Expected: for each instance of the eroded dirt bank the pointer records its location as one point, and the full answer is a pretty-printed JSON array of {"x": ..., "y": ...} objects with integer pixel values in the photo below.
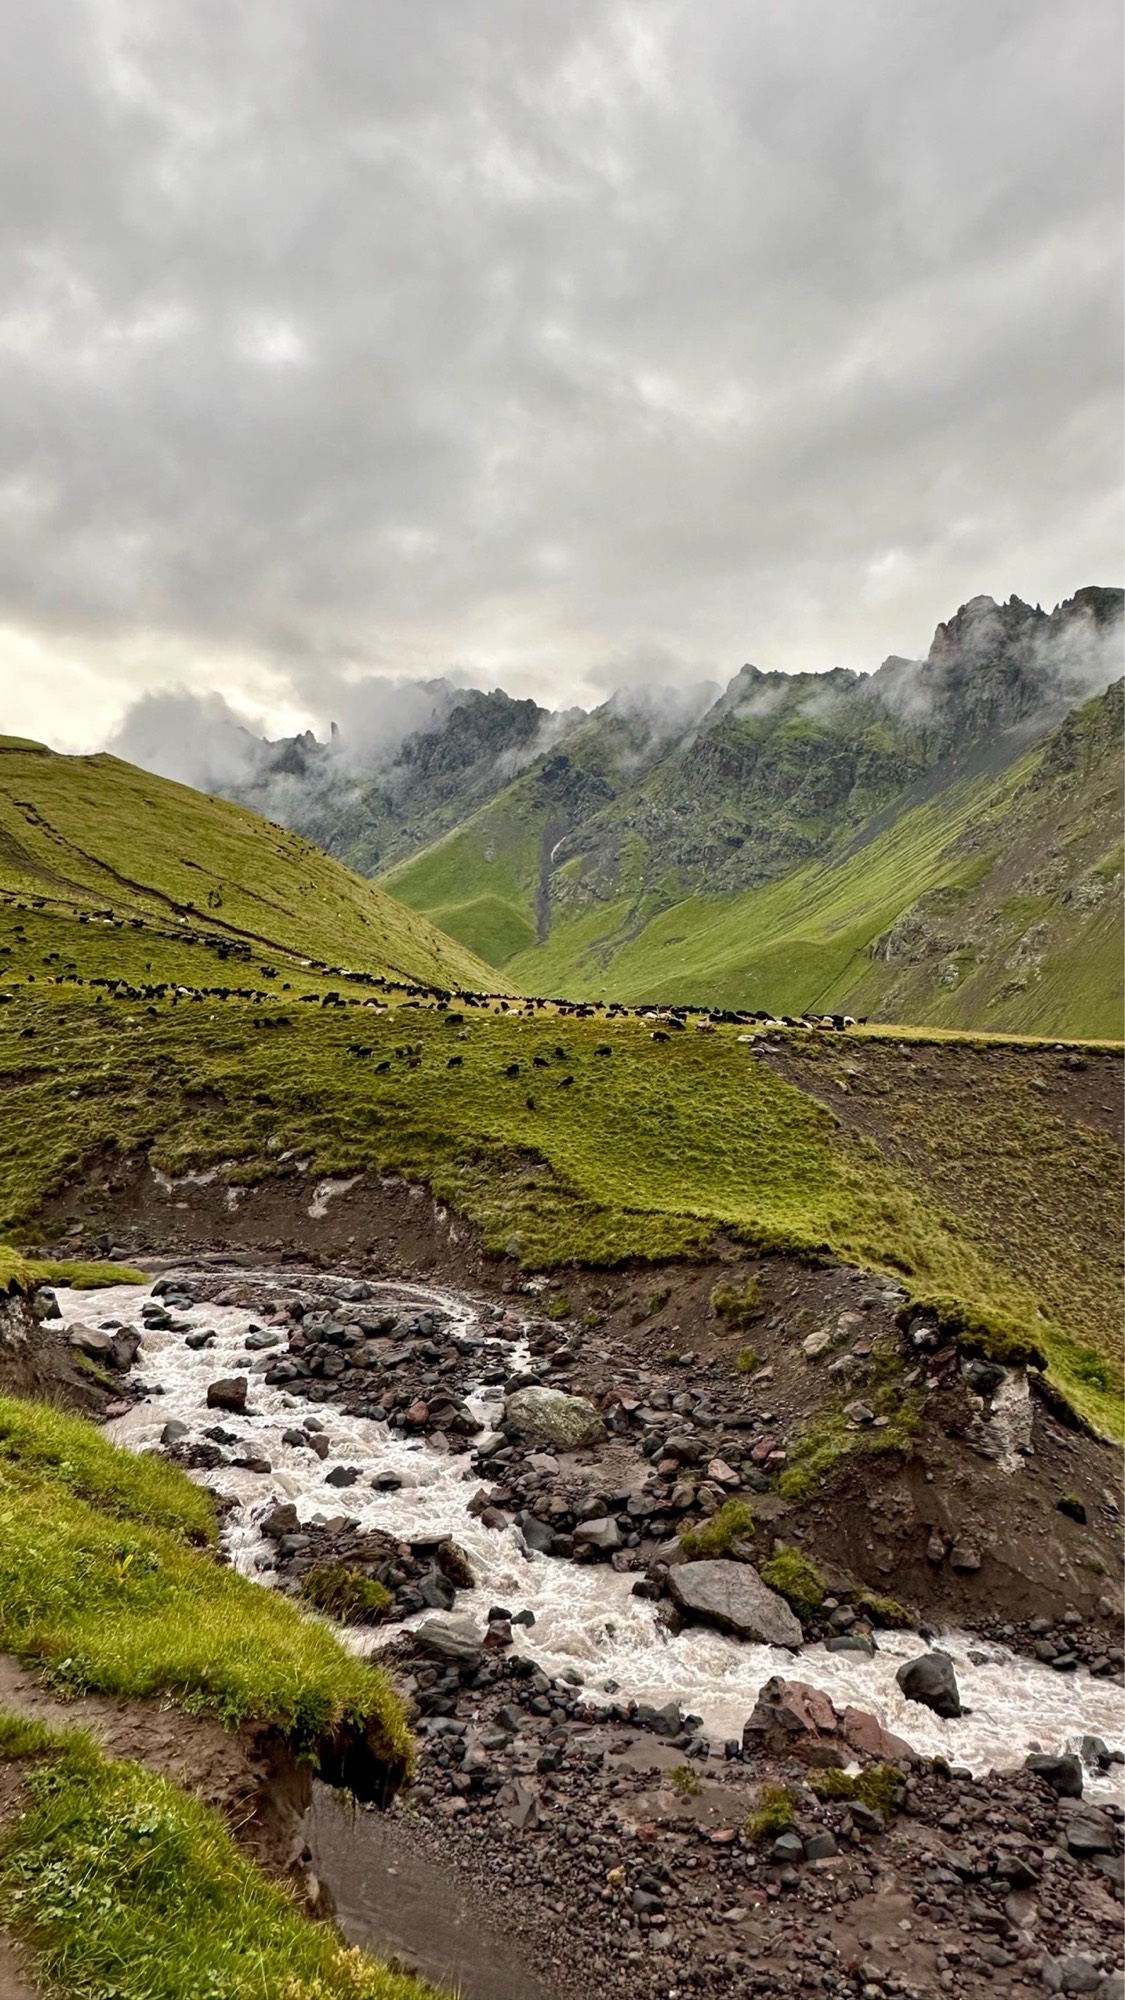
[{"x": 946, "y": 1526}]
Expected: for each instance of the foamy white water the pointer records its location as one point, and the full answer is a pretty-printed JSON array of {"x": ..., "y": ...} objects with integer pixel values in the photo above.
[{"x": 585, "y": 1617}]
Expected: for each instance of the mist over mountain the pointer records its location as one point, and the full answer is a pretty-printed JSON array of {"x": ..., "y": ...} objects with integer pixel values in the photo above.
[{"x": 408, "y": 761}]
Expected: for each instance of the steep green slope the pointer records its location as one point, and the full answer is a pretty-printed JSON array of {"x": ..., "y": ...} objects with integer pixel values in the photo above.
[
  {"x": 995, "y": 904},
  {"x": 90, "y": 841},
  {"x": 779, "y": 852}
]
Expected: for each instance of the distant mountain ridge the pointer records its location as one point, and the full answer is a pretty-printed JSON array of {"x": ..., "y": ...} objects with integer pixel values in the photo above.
[{"x": 559, "y": 846}]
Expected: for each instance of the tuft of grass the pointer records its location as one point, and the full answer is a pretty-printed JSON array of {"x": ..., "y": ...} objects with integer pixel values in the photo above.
[
  {"x": 798, "y": 1579},
  {"x": 745, "y": 1361},
  {"x": 346, "y": 1594},
  {"x": 876, "y": 1788},
  {"x": 125, "y": 1888},
  {"x": 738, "y": 1304},
  {"x": 40, "y": 1444},
  {"x": 557, "y": 1307},
  {"x": 775, "y": 1813},
  {"x": 828, "y": 1439},
  {"x": 886, "y": 1611},
  {"x": 684, "y": 1781},
  {"x": 731, "y": 1523},
  {"x": 100, "y": 1585},
  {"x": 23, "y": 1274}
]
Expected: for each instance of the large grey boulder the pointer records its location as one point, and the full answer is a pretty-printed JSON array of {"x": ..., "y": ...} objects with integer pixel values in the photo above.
[
  {"x": 551, "y": 1417},
  {"x": 930, "y": 1680},
  {"x": 457, "y": 1640},
  {"x": 732, "y": 1596}
]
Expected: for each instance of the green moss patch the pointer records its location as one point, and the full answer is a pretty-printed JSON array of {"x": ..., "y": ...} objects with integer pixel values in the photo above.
[
  {"x": 798, "y": 1580},
  {"x": 732, "y": 1523}
]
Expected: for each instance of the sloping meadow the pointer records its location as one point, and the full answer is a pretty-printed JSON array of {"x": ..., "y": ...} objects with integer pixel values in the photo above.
[{"x": 561, "y": 1139}]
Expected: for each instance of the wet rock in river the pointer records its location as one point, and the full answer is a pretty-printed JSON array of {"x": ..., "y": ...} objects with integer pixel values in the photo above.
[
  {"x": 1063, "y": 1774},
  {"x": 732, "y": 1596},
  {"x": 228, "y": 1394},
  {"x": 930, "y": 1680}
]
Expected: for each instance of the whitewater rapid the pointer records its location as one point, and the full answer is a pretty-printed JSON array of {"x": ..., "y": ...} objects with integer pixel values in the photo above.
[{"x": 587, "y": 1622}]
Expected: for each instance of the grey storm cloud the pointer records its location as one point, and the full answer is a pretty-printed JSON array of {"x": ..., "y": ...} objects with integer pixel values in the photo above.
[{"x": 497, "y": 339}]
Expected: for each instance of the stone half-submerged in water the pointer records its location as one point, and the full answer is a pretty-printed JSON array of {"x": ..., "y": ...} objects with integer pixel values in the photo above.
[
  {"x": 551, "y": 1417},
  {"x": 732, "y": 1596}
]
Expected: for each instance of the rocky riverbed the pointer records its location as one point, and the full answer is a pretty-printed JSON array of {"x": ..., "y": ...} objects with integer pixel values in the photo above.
[{"x": 587, "y": 1773}]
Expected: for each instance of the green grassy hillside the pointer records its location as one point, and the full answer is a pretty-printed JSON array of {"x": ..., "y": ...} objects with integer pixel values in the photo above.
[
  {"x": 94, "y": 844},
  {"x": 555, "y": 1149},
  {"x": 994, "y": 903}
]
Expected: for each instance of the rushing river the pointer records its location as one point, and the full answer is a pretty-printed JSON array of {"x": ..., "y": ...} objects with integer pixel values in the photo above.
[{"x": 586, "y": 1619}]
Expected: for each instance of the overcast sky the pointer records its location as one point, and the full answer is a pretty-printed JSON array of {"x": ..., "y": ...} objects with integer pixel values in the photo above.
[{"x": 542, "y": 340}]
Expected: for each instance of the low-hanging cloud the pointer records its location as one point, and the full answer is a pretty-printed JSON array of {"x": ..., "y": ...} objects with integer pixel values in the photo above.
[{"x": 346, "y": 341}]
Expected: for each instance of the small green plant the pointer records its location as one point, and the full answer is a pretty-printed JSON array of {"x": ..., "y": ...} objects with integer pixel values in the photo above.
[
  {"x": 738, "y": 1304},
  {"x": 733, "y": 1522},
  {"x": 876, "y": 1788},
  {"x": 558, "y": 1307},
  {"x": 885, "y": 1363},
  {"x": 774, "y": 1814},
  {"x": 684, "y": 1781},
  {"x": 745, "y": 1361},
  {"x": 346, "y": 1594},
  {"x": 883, "y": 1611},
  {"x": 797, "y": 1578},
  {"x": 658, "y": 1301}
]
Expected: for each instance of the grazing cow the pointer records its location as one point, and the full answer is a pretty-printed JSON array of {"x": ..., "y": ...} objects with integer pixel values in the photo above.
[
  {"x": 658, "y": 1035},
  {"x": 565, "y": 1082},
  {"x": 454, "y": 1062},
  {"x": 513, "y": 1069},
  {"x": 540, "y": 1062},
  {"x": 603, "y": 1049}
]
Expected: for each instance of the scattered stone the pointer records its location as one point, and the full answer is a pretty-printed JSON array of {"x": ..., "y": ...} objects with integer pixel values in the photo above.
[
  {"x": 1063, "y": 1774},
  {"x": 931, "y": 1681},
  {"x": 228, "y": 1394},
  {"x": 553, "y": 1418}
]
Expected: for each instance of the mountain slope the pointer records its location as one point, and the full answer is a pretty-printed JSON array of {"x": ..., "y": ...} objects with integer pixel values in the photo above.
[
  {"x": 759, "y": 859},
  {"x": 994, "y": 904},
  {"x": 91, "y": 841},
  {"x": 372, "y": 811}
]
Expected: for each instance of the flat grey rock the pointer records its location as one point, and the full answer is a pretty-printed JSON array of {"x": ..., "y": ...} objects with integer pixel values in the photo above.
[{"x": 732, "y": 1596}]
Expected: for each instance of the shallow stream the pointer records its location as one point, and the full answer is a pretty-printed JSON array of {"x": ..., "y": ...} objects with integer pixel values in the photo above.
[{"x": 586, "y": 1618}]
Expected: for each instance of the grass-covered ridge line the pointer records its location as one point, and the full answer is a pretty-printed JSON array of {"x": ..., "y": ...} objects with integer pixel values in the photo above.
[
  {"x": 645, "y": 1152},
  {"x": 100, "y": 1584},
  {"x": 96, "y": 839},
  {"x": 124, "y": 1888}
]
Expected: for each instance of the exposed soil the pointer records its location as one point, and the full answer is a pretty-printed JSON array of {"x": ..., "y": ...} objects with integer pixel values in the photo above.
[
  {"x": 881, "y": 1517},
  {"x": 248, "y": 1774},
  {"x": 36, "y": 1361}
]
